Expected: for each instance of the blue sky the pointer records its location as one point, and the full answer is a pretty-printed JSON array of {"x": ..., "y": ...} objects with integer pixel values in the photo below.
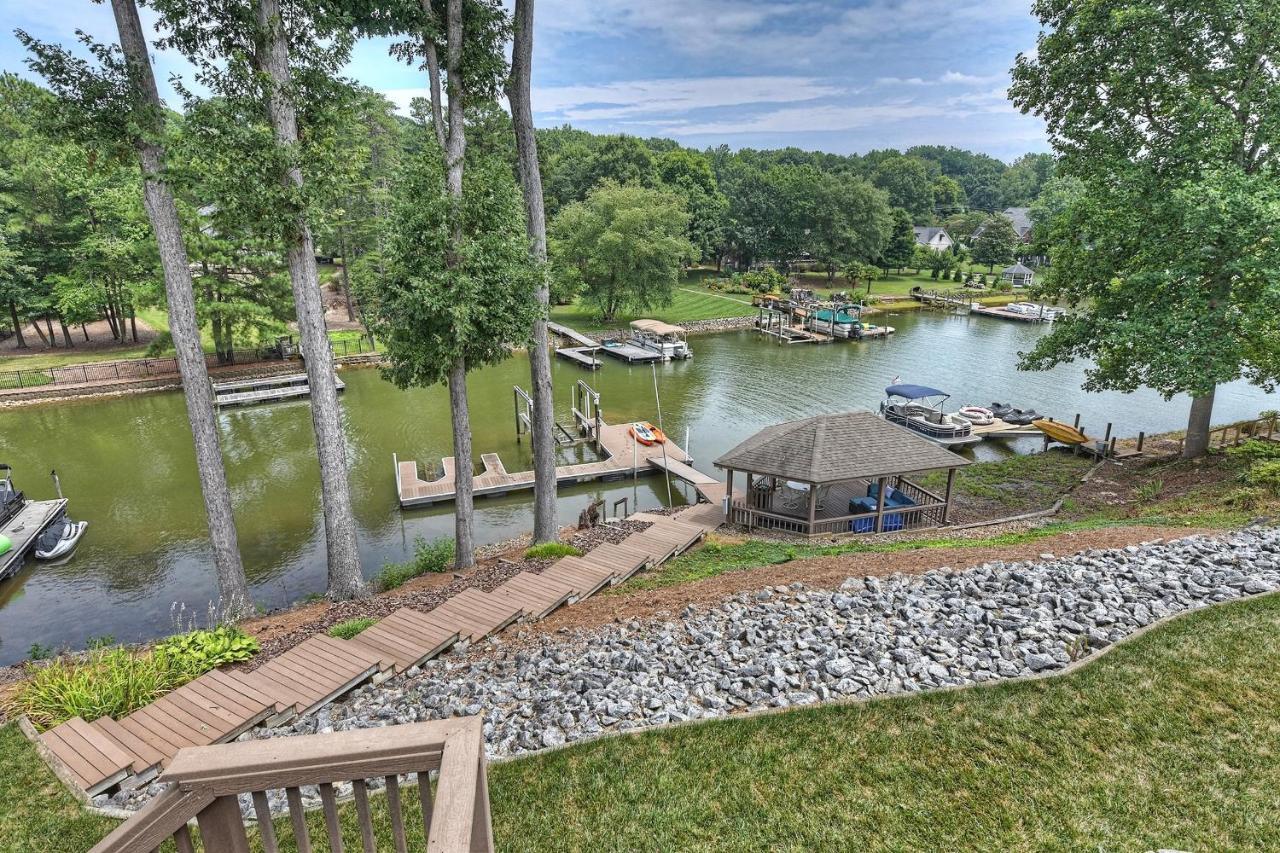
[{"x": 835, "y": 76}]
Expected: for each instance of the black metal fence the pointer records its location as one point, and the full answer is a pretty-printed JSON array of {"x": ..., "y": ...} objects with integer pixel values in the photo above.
[{"x": 148, "y": 368}]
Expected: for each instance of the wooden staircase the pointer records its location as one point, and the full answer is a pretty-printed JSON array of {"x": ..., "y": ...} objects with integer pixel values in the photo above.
[{"x": 220, "y": 705}]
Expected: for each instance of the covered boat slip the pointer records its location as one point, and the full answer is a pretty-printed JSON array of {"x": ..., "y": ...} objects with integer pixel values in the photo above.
[{"x": 836, "y": 475}]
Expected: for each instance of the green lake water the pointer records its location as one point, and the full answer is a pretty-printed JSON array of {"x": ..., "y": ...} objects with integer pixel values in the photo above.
[{"x": 127, "y": 463}]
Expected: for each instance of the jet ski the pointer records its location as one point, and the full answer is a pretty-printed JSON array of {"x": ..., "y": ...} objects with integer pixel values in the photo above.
[{"x": 59, "y": 538}]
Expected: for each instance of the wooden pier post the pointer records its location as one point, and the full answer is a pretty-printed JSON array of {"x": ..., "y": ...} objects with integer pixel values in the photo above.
[
  {"x": 881, "y": 483},
  {"x": 1077, "y": 421},
  {"x": 951, "y": 478},
  {"x": 1142, "y": 436}
]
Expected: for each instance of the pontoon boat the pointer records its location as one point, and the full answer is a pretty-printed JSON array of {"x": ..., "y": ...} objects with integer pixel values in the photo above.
[
  {"x": 663, "y": 338},
  {"x": 919, "y": 409}
]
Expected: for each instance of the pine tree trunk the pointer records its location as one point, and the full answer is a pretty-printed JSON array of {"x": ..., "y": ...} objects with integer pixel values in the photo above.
[
  {"x": 1198, "y": 423},
  {"x": 542, "y": 428},
  {"x": 133, "y": 324},
  {"x": 48, "y": 324},
  {"x": 66, "y": 333},
  {"x": 233, "y": 589},
  {"x": 84, "y": 330},
  {"x": 464, "y": 500},
  {"x": 17, "y": 325},
  {"x": 345, "y": 579}
]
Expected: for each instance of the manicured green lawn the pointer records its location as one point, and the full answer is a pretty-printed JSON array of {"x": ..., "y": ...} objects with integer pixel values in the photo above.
[
  {"x": 1170, "y": 741},
  {"x": 691, "y": 302}
]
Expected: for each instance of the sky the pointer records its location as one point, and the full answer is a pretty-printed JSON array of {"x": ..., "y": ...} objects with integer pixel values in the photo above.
[{"x": 844, "y": 77}]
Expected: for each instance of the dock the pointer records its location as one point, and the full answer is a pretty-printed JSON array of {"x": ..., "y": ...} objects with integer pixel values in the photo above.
[
  {"x": 630, "y": 353},
  {"x": 572, "y": 334},
  {"x": 581, "y": 356},
  {"x": 1004, "y": 314},
  {"x": 263, "y": 389},
  {"x": 623, "y": 457},
  {"x": 958, "y": 302},
  {"x": 23, "y": 530},
  {"x": 1000, "y": 429},
  {"x": 708, "y": 488}
]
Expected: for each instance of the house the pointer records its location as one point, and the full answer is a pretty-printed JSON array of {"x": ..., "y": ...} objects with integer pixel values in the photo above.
[
  {"x": 1018, "y": 275},
  {"x": 933, "y": 238},
  {"x": 1021, "y": 219}
]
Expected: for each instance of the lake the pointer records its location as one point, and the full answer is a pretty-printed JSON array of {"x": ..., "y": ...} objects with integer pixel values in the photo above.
[{"x": 127, "y": 463}]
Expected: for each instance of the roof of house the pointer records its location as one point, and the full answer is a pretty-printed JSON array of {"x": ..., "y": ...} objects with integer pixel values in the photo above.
[
  {"x": 1021, "y": 219},
  {"x": 1018, "y": 269},
  {"x": 925, "y": 234},
  {"x": 835, "y": 448}
]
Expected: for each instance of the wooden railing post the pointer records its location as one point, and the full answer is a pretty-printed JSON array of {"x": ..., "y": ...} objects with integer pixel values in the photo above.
[{"x": 222, "y": 828}]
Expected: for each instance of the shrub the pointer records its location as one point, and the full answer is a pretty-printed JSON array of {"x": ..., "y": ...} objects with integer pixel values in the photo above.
[
  {"x": 1254, "y": 450},
  {"x": 201, "y": 651},
  {"x": 433, "y": 556},
  {"x": 1266, "y": 475},
  {"x": 552, "y": 551},
  {"x": 348, "y": 629},
  {"x": 1150, "y": 490},
  {"x": 106, "y": 682}
]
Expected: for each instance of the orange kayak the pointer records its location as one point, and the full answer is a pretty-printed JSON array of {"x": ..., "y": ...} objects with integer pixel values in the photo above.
[{"x": 646, "y": 433}]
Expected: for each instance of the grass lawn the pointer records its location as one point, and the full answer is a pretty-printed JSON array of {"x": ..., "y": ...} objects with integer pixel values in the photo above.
[{"x": 1170, "y": 741}]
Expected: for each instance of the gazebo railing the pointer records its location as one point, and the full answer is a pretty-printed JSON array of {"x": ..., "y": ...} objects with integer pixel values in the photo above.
[{"x": 912, "y": 517}]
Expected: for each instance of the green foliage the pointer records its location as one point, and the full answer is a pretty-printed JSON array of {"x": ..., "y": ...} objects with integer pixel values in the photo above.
[
  {"x": 996, "y": 242},
  {"x": 201, "y": 651},
  {"x": 908, "y": 184},
  {"x": 1168, "y": 252},
  {"x": 1254, "y": 450},
  {"x": 428, "y": 557},
  {"x": 440, "y": 302},
  {"x": 765, "y": 280},
  {"x": 1265, "y": 474},
  {"x": 622, "y": 247},
  {"x": 1247, "y": 498},
  {"x": 37, "y": 651},
  {"x": 1150, "y": 490},
  {"x": 104, "y": 682},
  {"x": 551, "y": 551},
  {"x": 350, "y": 628}
]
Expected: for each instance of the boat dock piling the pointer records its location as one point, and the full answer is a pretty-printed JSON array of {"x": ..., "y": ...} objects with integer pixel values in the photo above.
[
  {"x": 783, "y": 326},
  {"x": 263, "y": 389}
]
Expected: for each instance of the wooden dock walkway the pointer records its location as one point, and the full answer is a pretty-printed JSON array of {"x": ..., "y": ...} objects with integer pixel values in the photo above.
[
  {"x": 1003, "y": 314},
  {"x": 24, "y": 528},
  {"x": 220, "y": 705},
  {"x": 571, "y": 334},
  {"x": 711, "y": 489},
  {"x": 266, "y": 389},
  {"x": 623, "y": 457},
  {"x": 630, "y": 353}
]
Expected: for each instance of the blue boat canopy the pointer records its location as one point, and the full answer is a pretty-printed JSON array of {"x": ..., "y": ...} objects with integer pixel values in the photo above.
[{"x": 914, "y": 392}]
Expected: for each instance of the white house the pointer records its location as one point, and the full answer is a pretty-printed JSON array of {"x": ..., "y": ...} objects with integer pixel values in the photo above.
[{"x": 933, "y": 238}]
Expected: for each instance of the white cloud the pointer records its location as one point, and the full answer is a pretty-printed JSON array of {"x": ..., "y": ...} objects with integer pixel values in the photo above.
[{"x": 632, "y": 98}]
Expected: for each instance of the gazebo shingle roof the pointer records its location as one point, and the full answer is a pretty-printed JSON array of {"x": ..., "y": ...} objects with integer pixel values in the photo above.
[{"x": 834, "y": 448}]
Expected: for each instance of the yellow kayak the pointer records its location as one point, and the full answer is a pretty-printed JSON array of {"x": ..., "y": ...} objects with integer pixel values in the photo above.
[{"x": 1064, "y": 433}]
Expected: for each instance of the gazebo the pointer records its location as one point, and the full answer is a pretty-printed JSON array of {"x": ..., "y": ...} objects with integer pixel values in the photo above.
[
  {"x": 835, "y": 475},
  {"x": 1019, "y": 275}
]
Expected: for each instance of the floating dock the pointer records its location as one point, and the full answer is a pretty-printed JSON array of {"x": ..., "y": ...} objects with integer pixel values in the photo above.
[
  {"x": 1000, "y": 429},
  {"x": 581, "y": 356},
  {"x": 1005, "y": 314},
  {"x": 23, "y": 530},
  {"x": 630, "y": 353},
  {"x": 623, "y": 457},
  {"x": 263, "y": 389}
]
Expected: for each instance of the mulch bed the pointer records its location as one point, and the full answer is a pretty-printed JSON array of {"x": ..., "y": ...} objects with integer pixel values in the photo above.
[{"x": 283, "y": 631}]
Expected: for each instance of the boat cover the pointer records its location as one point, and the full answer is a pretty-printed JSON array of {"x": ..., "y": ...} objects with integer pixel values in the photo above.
[
  {"x": 656, "y": 327},
  {"x": 914, "y": 392}
]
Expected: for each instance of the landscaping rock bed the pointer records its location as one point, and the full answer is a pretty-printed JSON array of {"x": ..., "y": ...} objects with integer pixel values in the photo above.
[{"x": 790, "y": 645}]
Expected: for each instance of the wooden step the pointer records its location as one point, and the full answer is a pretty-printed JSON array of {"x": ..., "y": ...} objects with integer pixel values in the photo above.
[
  {"x": 408, "y": 640},
  {"x": 624, "y": 560},
  {"x": 92, "y": 759},
  {"x": 303, "y": 679},
  {"x": 585, "y": 580},
  {"x": 537, "y": 593},
  {"x": 477, "y": 614}
]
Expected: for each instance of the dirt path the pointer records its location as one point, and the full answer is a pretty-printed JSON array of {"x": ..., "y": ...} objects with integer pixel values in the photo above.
[{"x": 830, "y": 572}]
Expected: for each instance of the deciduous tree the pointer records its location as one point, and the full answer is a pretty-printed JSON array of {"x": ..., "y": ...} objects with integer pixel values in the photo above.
[{"x": 1169, "y": 114}]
